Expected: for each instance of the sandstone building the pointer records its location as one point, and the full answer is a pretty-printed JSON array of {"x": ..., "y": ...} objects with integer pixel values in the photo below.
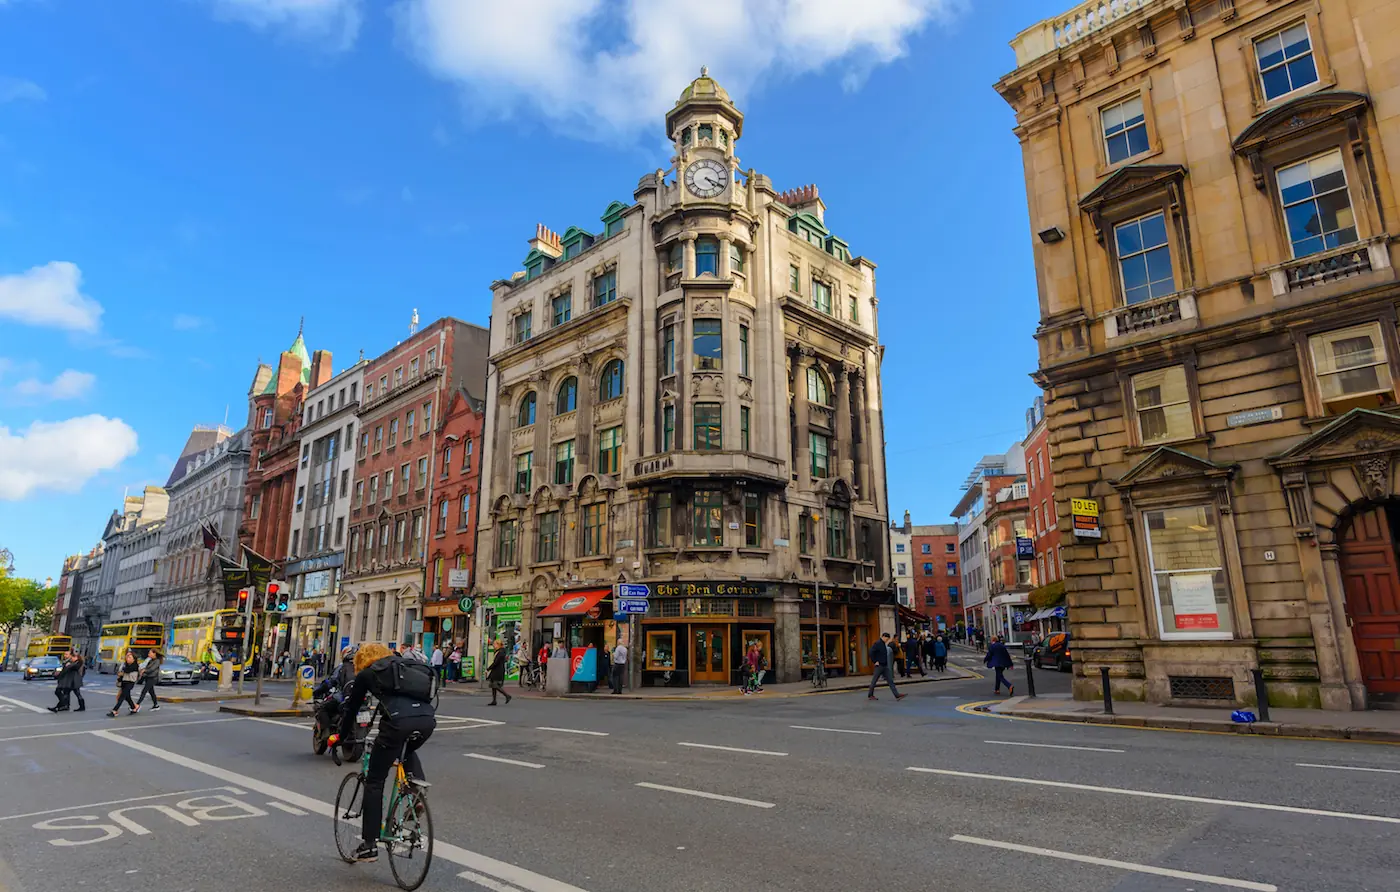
[{"x": 1211, "y": 188}]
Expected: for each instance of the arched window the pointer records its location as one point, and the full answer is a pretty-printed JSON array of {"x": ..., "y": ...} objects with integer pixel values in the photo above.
[
  {"x": 526, "y": 414},
  {"x": 706, "y": 256},
  {"x": 817, "y": 391},
  {"x": 567, "y": 400},
  {"x": 610, "y": 386}
]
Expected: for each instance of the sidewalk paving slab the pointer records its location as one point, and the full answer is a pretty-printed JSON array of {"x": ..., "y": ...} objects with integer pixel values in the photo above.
[
  {"x": 272, "y": 707},
  {"x": 1379, "y": 726}
]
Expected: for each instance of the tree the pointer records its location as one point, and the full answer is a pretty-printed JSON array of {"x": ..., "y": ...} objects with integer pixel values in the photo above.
[{"x": 19, "y": 597}]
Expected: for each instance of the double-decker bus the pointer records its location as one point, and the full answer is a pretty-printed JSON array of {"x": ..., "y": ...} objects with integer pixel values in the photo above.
[
  {"x": 49, "y": 646},
  {"x": 117, "y": 638},
  {"x": 206, "y": 638}
]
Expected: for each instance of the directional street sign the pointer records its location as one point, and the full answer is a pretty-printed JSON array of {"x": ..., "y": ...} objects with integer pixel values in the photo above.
[
  {"x": 632, "y": 605},
  {"x": 633, "y": 590}
]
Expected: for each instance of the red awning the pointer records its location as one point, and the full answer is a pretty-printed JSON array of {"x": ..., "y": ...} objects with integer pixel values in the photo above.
[{"x": 575, "y": 603}]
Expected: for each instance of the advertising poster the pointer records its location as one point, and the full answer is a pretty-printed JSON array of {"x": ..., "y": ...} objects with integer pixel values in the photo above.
[
  {"x": 1193, "y": 601},
  {"x": 585, "y": 663}
]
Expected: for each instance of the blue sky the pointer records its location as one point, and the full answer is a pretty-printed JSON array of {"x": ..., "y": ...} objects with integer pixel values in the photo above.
[{"x": 187, "y": 178}]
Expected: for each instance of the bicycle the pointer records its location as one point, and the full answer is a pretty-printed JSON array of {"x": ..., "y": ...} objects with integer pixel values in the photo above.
[
  {"x": 408, "y": 825},
  {"x": 818, "y": 675},
  {"x": 532, "y": 676}
]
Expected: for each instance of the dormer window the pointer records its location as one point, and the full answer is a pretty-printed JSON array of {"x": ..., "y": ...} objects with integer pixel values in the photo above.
[{"x": 533, "y": 270}]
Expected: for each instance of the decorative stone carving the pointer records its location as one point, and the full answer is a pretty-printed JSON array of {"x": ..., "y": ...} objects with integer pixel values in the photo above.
[
  {"x": 706, "y": 385},
  {"x": 706, "y": 307},
  {"x": 1373, "y": 473}
]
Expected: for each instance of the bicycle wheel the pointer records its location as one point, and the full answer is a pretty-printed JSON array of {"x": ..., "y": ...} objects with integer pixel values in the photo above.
[
  {"x": 411, "y": 846},
  {"x": 349, "y": 803}
]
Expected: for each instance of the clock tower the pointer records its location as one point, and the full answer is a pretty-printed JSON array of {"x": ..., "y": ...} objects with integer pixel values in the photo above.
[{"x": 703, "y": 126}]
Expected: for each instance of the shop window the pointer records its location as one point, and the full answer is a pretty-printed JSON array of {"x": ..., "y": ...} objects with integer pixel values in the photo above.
[
  {"x": 661, "y": 651},
  {"x": 610, "y": 451},
  {"x": 707, "y": 519},
  {"x": 564, "y": 463},
  {"x": 1285, "y": 61},
  {"x": 1316, "y": 204},
  {"x": 547, "y": 538},
  {"x": 753, "y": 519},
  {"x": 610, "y": 383},
  {"x": 659, "y": 528},
  {"x": 566, "y": 400},
  {"x": 505, "y": 543},
  {"x": 836, "y": 532},
  {"x": 707, "y": 432},
  {"x": 524, "y": 466},
  {"x": 1188, "y": 579},
  {"x": 524, "y": 415},
  {"x": 594, "y": 528},
  {"x": 707, "y": 342},
  {"x": 1352, "y": 369},
  {"x": 1162, "y": 405}
]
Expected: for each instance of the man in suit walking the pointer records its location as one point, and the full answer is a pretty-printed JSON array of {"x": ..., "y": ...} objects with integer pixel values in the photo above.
[{"x": 880, "y": 657}]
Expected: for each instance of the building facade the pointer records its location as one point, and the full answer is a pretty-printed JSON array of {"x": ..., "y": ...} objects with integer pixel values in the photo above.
[
  {"x": 321, "y": 508},
  {"x": 452, "y": 549},
  {"x": 1048, "y": 612},
  {"x": 206, "y": 493},
  {"x": 901, "y": 562},
  {"x": 937, "y": 571},
  {"x": 974, "y": 539},
  {"x": 85, "y": 626},
  {"x": 138, "y": 558},
  {"x": 405, "y": 390},
  {"x": 1213, "y": 199},
  {"x": 690, "y": 399},
  {"x": 66, "y": 596}
]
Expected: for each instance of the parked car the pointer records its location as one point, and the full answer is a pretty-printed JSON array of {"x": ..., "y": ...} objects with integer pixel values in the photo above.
[
  {"x": 1054, "y": 651},
  {"x": 42, "y": 667},
  {"x": 178, "y": 670}
]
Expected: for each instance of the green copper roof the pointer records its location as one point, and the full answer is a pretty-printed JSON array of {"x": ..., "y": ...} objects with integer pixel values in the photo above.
[{"x": 298, "y": 349}]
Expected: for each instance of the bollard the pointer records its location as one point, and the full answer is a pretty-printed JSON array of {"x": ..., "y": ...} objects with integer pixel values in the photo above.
[
  {"x": 1261, "y": 693},
  {"x": 1030, "y": 678},
  {"x": 1107, "y": 691}
]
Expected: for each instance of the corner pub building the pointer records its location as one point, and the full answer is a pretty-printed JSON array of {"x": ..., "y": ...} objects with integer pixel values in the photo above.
[
  {"x": 690, "y": 399},
  {"x": 1214, "y": 187}
]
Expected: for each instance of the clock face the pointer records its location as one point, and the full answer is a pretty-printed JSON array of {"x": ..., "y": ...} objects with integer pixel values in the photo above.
[{"x": 706, "y": 178}]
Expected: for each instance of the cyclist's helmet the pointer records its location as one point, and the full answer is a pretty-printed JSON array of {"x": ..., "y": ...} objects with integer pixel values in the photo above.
[{"x": 347, "y": 653}]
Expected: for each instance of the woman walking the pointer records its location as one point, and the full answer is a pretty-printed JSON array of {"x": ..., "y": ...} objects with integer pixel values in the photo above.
[
  {"x": 127, "y": 673},
  {"x": 940, "y": 654},
  {"x": 496, "y": 673},
  {"x": 150, "y": 676}
]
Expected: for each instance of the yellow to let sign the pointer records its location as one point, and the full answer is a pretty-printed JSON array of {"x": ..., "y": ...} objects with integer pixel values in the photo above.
[{"x": 1087, "y": 507}]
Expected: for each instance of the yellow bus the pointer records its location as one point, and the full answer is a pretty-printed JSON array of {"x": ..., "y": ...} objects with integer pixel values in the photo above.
[
  {"x": 117, "y": 638},
  {"x": 206, "y": 638},
  {"x": 49, "y": 646}
]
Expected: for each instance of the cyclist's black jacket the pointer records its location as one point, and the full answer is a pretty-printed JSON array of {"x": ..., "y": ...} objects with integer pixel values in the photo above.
[{"x": 396, "y": 712}]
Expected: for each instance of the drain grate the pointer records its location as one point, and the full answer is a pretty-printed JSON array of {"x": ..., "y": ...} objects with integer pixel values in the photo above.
[{"x": 1188, "y": 687}]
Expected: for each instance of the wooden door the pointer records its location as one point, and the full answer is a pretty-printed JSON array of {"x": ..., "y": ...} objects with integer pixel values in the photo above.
[
  {"x": 711, "y": 665},
  {"x": 1371, "y": 581}
]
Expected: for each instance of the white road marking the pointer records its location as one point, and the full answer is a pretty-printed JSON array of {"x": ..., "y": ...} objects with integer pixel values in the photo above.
[
  {"x": 54, "y": 811},
  {"x": 289, "y": 809},
  {"x": 833, "y": 730},
  {"x": 111, "y": 728},
  {"x": 730, "y": 749},
  {"x": 573, "y": 731},
  {"x": 526, "y": 880},
  {"x": 703, "y": 795},
  {"x": 462, "y": 726},
  {"x": 284, "y": 724},
  {"x": 1055, "y": 746},
  {"x": 485, "y": 758},
  {"x": 1175, "y": 797},
  {"x": 1348, "y": 768},
  {"x": 486, "y": 882},
  {"x": 22, "y": 705},
  {"x": 1121, "y": 865}
]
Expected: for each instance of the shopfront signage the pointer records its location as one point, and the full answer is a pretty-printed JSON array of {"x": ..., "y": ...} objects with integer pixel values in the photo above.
[
  {"x": 652, "y": 466},
  {"x": 848, "y": 595},
  {"x": 1255, "y": 416},
  {"x": 315, "y": 584},
  {"x": 440, "y": 608},
  {"x": 466, "y": 604},
  {"x": 459, "y": 578},
  {"x": 447, "y": 624},
  {"x": 301, "y": 607},
  {"x": 1025, "y": 549},
  {"x": 1085, "y": 516},
  {"x": 311, "y": 565},
  {"x": 711, "y": 589}
]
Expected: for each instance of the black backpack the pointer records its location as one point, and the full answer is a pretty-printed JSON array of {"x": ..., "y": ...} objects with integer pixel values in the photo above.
[{"x": 398, "y": 677}]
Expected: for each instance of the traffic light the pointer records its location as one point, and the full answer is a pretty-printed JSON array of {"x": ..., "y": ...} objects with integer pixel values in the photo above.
[
  {"x": 278, "y": 596},
  {"x": 243, "y": 600}
]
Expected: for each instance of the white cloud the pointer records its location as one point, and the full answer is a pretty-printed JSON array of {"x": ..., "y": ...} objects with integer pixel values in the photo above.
[
  {"x": 335, "y": 22},
  {"x": 15, "y": 89},
  {"x": 61, "y": 455},
  {"x": 69, "y": 385},
  {"x": 186, "y": 322},
  {"x": 622, "y": 63},
  {"x": 49, "y": 295}
]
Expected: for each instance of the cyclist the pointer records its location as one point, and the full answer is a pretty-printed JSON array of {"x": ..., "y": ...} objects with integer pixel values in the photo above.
[{"x": 406, "y": 721}]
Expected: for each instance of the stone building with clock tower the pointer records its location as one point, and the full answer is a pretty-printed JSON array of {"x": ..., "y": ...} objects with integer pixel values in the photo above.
[{"x": 689, "y": 398}]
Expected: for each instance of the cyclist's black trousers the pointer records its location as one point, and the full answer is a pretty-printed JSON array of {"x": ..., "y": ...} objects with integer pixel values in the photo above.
[{"x": 381, "y": 758}]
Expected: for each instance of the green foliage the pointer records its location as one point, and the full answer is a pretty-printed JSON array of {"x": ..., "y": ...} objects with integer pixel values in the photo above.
[{"x": 19, "y": 596}]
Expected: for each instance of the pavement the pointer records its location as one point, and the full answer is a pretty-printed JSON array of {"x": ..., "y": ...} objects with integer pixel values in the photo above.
[{"x": 708, "y": 795}]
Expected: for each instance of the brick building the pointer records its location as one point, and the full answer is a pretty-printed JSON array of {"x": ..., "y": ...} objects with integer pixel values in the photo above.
[
  {"x": 937, "y": 573},
  {"x": 1210, "y": 185},
  {"x": 1047, "y": 598},
  {"x": 452, "y": 551},
  {"x": 405, "y": 390}
]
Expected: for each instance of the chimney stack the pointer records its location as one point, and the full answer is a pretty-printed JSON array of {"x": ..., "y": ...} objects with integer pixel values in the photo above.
[
  {"x": 320, "y": 367},
  {"x": 805, "y": 199},
  {"x": 546, "y": 241}
]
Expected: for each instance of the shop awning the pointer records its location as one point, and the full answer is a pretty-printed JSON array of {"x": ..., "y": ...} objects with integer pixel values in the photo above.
[
  {"x": 912, "y": 616},
  {"x": 575, "y": 603}
]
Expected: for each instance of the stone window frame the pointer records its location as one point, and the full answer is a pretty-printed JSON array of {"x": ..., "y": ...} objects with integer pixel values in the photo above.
[
  {"x": 1130, "y": 419},
  {"x": 1152, "y": 606},
  {"x": 1302, "y": 335},
  {"x": 1281, "y": 20},
  {"x": 1142, "y": 90},
  {"x": 600, "y": 503},
  {"x": 1164, "y": 190},
  {"x": 1304, "y": 127}
]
